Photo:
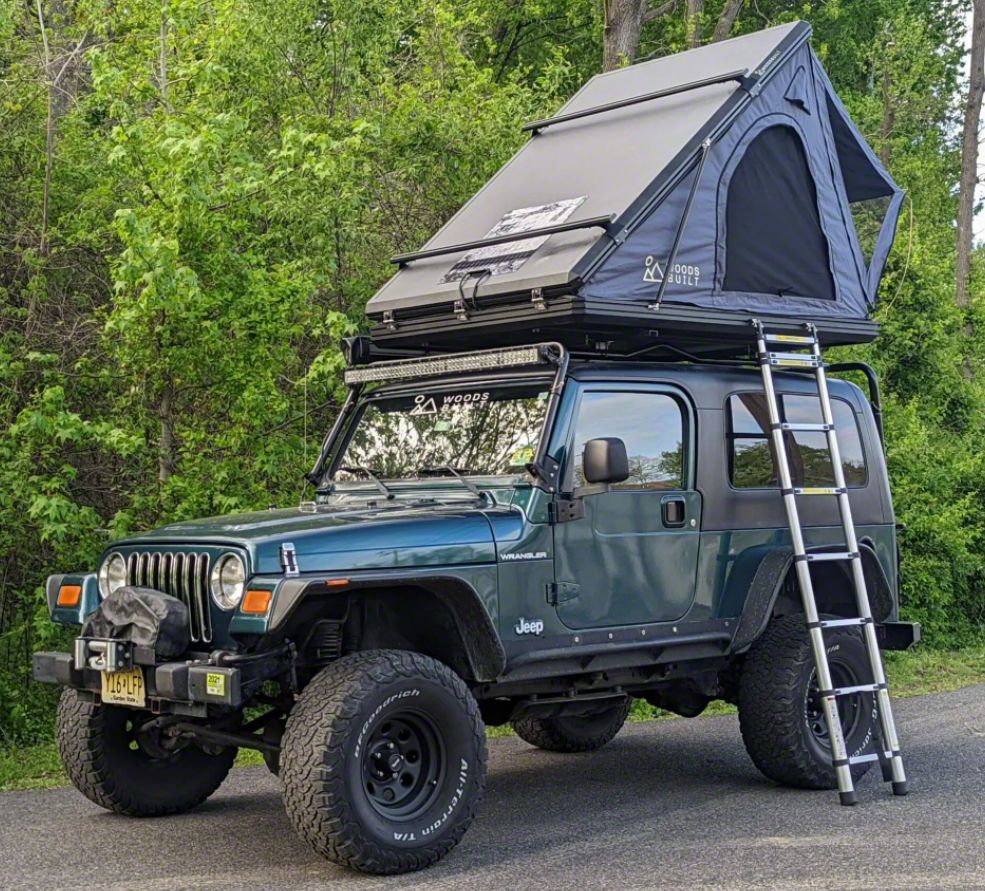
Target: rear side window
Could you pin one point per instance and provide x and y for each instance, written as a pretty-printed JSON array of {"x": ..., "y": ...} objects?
[
  {"x": 650, "y": 424},
  {"x": 750, "y": 451}
]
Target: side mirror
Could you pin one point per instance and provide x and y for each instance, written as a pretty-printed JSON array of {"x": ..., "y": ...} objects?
[{"x": 604, "y": 461}]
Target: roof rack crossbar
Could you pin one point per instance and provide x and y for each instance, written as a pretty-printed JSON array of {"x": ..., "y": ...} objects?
[
  {"x": 737, "y": 75},
  {"x": 600, "y": 222}
]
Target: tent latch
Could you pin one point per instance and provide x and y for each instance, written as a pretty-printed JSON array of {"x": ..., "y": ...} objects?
[
  {"x": 461, "y": 313},
  {"x": 389, "y": 322},
  {"x": 538, "y": 300}
]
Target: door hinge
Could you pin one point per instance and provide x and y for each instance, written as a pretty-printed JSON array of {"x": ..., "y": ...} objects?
[
  {"x": 560, "y": 592},
  {"x": 564, "y": 510}
]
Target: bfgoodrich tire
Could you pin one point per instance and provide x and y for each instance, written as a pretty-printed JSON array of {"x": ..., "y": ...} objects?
[
  {"x": 114, "y": 767},
  {"x": 779, "y": 711},
  {"x": 384, "y": 761},
  {"x": 582, "y": 733}
]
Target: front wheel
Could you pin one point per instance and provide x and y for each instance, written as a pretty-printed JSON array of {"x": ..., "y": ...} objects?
[
  {"x": 384, "y": 761},
  {"x": 780, "y": 714},
  {"x": 119, "y": 765}
]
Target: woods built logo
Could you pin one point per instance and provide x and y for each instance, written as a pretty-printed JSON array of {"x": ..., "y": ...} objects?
[{"x": 681, "y": 274}]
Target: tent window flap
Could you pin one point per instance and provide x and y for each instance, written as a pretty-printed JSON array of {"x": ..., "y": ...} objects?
[{"x": 773, "y": 237}]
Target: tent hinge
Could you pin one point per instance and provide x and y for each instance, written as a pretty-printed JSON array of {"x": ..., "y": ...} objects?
[
  {"x": 751, "y": 83},
  {"x": 538, "y": 300},
  {"x": 389, "y": 322}
]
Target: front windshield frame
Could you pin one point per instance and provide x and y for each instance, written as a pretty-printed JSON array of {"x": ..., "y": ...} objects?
[{"x": 547, "y": 382}]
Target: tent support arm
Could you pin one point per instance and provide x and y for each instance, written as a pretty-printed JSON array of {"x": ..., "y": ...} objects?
[
  {"x": 737, "y": 75},
  {"x": 601, "y": 222},
  {"x": 705, "y": 147}
]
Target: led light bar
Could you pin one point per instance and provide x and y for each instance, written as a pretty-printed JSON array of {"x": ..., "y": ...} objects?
[{"x": 456, "y": 363}]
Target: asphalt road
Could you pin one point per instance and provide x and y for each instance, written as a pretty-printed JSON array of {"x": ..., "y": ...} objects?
[{"x": 669, "y": 804}]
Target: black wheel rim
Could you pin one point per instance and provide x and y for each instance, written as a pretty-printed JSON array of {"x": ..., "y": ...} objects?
[
  {"x": 849, "y": 707},
  {"x": 403, "y": 765}
]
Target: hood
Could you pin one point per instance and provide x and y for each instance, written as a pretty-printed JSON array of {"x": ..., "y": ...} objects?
[{"x": 339, "y": 539}]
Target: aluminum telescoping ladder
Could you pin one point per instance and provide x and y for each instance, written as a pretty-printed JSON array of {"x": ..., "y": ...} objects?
[{"x": 886, "y": 741}]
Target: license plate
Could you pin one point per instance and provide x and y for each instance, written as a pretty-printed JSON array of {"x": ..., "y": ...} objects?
[{"x": 123, "y": 687}]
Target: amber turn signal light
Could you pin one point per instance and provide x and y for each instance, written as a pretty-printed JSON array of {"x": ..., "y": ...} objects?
[
  {"x": 69, "y": 595},
  {"x": 256, "y": 603},
  {"x": 336, "y": 583}
]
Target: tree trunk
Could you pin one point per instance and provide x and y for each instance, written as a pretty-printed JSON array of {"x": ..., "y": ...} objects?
[
  {"x": 621, "y": 37},
  {"x": 166, "y": 444},
  {"x": 726, "y": 21},
  {"x": 969, "y": 152},
  {"x": 692, "y": 22}
]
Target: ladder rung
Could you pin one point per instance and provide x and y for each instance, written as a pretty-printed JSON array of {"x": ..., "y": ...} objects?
[
  {"x": 814, "y": 490},
  {"x": 865, "y": 759},
  {"x": 811, "y": 360},
  {"x": 788, "y": 338},
  {"x": 838, "y": 623},
  {"x": 851, "y": 691},
  {"x": 832, "y": 555},
  {"x": 805, "y": 428}
]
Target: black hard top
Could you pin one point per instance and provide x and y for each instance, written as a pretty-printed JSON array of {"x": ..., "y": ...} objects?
[{"x": 708, "y": 384}]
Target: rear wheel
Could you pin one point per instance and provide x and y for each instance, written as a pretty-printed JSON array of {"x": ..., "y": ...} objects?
[
  {"x": 384, "y": 761},
  {"x": 780, "y": 714},
  {"x": 124, "y": 768},
  {"x": 582, "y": 733}
]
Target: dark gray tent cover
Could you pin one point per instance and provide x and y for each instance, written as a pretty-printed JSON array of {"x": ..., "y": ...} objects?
[{"x": 792, "y": 213}]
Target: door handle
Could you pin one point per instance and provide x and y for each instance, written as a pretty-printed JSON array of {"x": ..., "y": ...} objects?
[{"x": 674, "y": 511}]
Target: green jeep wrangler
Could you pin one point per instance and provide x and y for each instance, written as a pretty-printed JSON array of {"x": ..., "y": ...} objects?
[
  {"x": 520, "y": 516},
  {"x": 508, "y": 536}
]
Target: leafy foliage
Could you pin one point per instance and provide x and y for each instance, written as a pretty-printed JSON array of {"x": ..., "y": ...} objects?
[{"x": 197, "y": 198}]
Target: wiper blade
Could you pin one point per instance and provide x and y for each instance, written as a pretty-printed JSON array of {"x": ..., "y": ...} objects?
[
  {"x": 369, "y": 474},
  {"x": 447, "y": 468}
]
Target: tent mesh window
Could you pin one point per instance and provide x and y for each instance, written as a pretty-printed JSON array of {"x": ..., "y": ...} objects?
[
  {"x": 773, "y": 238},
  {"x": 869, "y": 194}
]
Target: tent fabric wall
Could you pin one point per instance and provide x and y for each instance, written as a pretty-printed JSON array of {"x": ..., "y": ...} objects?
[{"x": 795, "y": 98}]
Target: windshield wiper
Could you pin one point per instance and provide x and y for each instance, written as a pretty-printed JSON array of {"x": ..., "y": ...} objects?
[
  {"x": 447, "y": 468},
  {"x": 369, "y": 474}
]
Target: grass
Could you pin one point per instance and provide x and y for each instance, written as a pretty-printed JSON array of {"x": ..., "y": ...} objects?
[{"x": 910, "y": 674}]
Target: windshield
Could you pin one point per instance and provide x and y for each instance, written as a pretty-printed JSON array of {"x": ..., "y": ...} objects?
[{"x": 476, "y": 431}]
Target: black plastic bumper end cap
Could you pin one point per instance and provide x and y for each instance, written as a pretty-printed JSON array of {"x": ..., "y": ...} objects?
[
  {"x": 847, "y": 798},
  {"x": 54, "y": 668}
]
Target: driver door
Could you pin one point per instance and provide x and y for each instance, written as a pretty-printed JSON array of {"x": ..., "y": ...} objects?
[{"x": 632, "y": 559}]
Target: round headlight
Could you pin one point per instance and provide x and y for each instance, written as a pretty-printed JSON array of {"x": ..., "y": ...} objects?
[
  {"x": 112, "y": 574},
  {"x": 228, "y": 581}
]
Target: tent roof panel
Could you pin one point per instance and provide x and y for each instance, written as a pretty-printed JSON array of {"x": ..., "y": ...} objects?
[{"x": 603, "y": 164}]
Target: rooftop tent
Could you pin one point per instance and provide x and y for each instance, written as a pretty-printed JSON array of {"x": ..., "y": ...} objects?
[{"x": 678, "y": 196}]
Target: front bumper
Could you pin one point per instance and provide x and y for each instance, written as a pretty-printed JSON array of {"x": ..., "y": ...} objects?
[{"x": 180, "y": 687}]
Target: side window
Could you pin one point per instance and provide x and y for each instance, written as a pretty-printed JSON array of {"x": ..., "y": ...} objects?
[
  {"x": 750, "y": 452},
  {"x": 650, "y": 424}
]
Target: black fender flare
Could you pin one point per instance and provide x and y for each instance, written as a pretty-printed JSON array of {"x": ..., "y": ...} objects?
[
  {"x": 482, "y": 645},
  {"x": 767, "y": 582}
]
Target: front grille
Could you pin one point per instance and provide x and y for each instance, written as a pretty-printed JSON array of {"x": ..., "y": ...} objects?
[{"x": 185, "y": 576}]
